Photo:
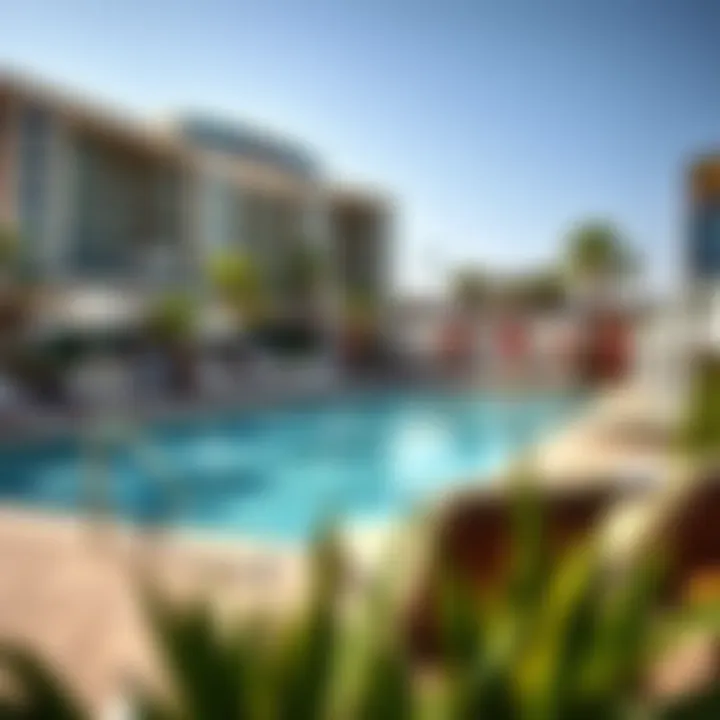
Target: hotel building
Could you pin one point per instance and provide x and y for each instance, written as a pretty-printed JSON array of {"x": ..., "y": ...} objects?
[
  {"x": 96, "y": 197},
  {"x": 702, "y": 252}
]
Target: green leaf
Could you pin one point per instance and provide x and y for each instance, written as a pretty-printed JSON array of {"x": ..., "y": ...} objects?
[
  {"x": 208, "y": 670},
  {"x": 484, "y": 688},
  {"x": 625, "y": 628},
  {"x": 306, "y": 666},
  {"x": 564, "y": 631},
  {"x": 695, "y": 706},
  {"x": 387, "y": 690},
  {"x": 43, "y": 693},
  {"x": 530, "y": 557},
  {"x": 700, "y": 430}
]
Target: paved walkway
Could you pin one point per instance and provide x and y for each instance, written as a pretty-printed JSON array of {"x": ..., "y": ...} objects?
[
  {"x": 67, "y": 589},
  {"x": 623, "y": 436}
]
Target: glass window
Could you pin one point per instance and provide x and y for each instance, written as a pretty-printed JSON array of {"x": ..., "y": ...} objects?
[{"x": 34, "y": 146}]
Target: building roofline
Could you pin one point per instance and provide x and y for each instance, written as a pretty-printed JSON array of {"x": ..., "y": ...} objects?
[
  {"x": 77, "y": 109},
  {"x": 161, "y": 138},
  {"x": 153, "y": 137}
]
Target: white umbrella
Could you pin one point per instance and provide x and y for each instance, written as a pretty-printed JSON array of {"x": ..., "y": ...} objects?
[{"x": 86, "y": 310}]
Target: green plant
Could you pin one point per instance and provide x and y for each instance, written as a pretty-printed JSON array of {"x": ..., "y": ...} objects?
[
  {"x": 9, "y": 246},
  {"x": 597, "y": 250},
  {"x": 556, "y": 640},
  {"x": 700, "y": 431},
  {"x": 474, "y": 290},
  {"x": 171, "y": 318},
  {"x": 249, "y": 671},
  {"x": 238, "y": 282},
  {"x": 41, "y": 692},
  {"x": 539, "y": 290}
]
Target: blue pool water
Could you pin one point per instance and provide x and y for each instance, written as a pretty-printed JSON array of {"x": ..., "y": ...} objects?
[{"x": 276, "y": 473}]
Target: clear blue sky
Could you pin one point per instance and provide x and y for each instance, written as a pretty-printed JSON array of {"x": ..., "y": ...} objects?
[{"x": 495, "y": 123}]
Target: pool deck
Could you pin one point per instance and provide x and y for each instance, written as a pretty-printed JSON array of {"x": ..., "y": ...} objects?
[
  {"x": 68, "y": 586},
  {"x": 69, "y": 591}
]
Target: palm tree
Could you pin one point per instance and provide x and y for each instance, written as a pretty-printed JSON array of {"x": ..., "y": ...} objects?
[{"x": 597, "y": 257}]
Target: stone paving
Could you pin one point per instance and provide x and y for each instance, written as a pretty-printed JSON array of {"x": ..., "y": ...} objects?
[{"x": 67, "y": 589}]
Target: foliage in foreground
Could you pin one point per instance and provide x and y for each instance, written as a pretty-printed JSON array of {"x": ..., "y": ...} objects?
[
  {"x": 700, "y": 431},
  {"x": 555, "y": 641}
]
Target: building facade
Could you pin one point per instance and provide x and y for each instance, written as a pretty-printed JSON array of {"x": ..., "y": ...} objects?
[
  {"x": 703, "y": 256},
  {"x": 95, "y": 197},
  {"x": 361, "y": 226},
  {"x": 702, "y": 252}
]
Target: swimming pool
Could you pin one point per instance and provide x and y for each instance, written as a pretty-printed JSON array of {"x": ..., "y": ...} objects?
[{"x": 274, "y": 474}]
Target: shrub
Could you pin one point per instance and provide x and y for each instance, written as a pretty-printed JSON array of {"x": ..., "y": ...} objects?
[
  {"x": 561, "y": 642},
  {"x": 171, "y": 319}
]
